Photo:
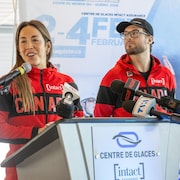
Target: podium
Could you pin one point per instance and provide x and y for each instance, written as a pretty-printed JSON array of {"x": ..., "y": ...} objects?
[{"x": 101, "y": 149}]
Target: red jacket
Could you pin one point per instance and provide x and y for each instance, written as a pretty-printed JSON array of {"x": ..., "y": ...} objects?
[
  {"x": 160, "y": 82},
  {"x": 17, "y": 126}
]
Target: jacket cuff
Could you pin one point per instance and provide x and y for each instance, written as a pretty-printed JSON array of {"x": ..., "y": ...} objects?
[{"x": 34, "y": 132}]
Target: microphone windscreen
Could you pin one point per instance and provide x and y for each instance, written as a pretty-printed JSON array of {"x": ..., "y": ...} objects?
[
  {"x": 117, "y": 86},
  {"x": 27, "y": 67},
  {"x": 128, "y": 105}
]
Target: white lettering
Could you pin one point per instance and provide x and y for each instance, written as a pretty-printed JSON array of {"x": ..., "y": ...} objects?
[
  {"x": 49, "y": 87},
  {"x": 158, "y": 81}
]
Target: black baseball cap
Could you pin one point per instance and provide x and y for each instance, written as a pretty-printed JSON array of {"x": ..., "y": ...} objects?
[{"x": 142, "y": 23}]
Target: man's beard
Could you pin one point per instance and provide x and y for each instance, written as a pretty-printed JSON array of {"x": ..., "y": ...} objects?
[{"x": 134, "y": 51}]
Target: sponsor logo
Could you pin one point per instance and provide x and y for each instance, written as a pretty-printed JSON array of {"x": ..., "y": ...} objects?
[
  {"x": 53, "y": 87},
  {"x": 129, "y": 173},
  {"x": 127, "y": 139},
  {"x": 158, "y": 81}
]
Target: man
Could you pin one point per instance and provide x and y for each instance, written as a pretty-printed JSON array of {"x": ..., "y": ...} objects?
[{"x": 137, "y": 63}]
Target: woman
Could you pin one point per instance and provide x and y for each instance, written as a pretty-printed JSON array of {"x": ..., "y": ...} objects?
[{"x": 30, "y": 105}]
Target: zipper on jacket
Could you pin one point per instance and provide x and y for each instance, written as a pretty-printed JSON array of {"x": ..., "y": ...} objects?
[{"x": 44, "y": 96}]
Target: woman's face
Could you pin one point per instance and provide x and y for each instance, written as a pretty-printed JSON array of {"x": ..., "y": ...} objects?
[{"x": 32, "y": 47}]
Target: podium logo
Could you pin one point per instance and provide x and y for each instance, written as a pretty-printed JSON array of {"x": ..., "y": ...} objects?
[
  {"x": 127, "y": 139},
  {"x": 129, "y": 173}
]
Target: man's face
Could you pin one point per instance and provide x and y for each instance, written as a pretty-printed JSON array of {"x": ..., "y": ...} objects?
[{"x": 136, "y": 40}]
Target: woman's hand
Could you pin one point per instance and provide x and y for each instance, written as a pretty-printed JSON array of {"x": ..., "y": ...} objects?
[{"x": 43, "y": 128}]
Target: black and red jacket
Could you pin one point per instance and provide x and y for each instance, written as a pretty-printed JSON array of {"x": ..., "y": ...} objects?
[
  {"x": 17, "y": 126},
  {"x": 160, "y": 82}
]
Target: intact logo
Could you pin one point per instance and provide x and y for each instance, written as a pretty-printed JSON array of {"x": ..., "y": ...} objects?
[
  {"x": 53, "y": 87},
  {"x": 158, "y": 81},
  {"x": 127, "y": 139}
]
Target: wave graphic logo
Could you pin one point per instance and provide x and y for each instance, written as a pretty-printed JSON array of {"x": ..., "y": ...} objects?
[{"x": 127, "y": 139}]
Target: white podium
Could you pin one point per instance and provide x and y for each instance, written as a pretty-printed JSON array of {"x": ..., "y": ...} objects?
[{"x": 101, "y": 149}]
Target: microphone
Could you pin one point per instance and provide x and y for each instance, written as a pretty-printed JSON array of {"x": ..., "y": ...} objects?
[
  {"x": 71, "y": 90},
  {"x": 145, "y": 107},
  {"x": 65, "y": 107},
  {"x": 131, "y": 85},
  {"x": 6, "y": 79},
  {"x": 170, "y": 103},
  {"x": 129, "y": 88},
  {"x": 120, "y": 88}
]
